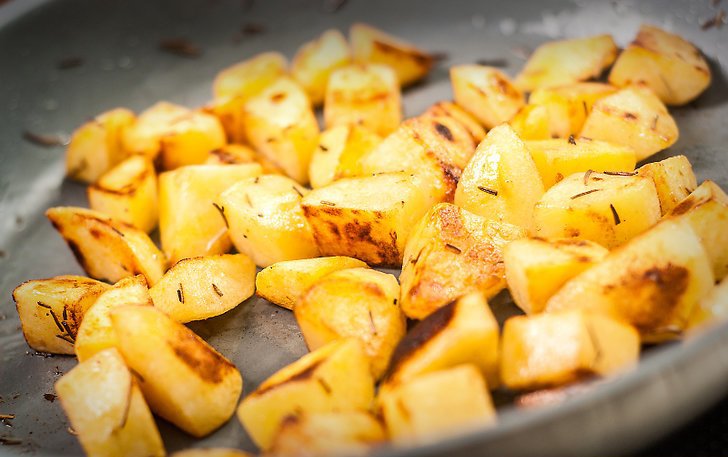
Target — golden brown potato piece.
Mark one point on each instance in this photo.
(436, 405)
(212, 452)
(557, 63)
(358, 303)
(128, 192)
(284, 282)
(237, 154)
(339, 153)
(315, 61)
(674, 180)
(486, 93)
(51, 310)
(97, 146)
(452, 252)
(107, 249)
(184, 379)
(534, 122)
(107, 410)
(230, 112)
(666, 63)
(335, 378)
(711, 310)
(248, 78)
(537, 268)
(548, 350)
(450, 109)
(204, 287)
(663, 274)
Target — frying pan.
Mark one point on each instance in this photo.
(62, 62)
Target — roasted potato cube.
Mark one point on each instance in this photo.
(486, 93)
(558, 63)
(367, 218)
(266, 221)
(450, 109)
(568, 106)
(339, 153)
(375, 46)
(463, 331)
(230, 111)
(534, 122)
(712, 309)
(359, 303)
(237, 154)
(653, 282)
(107, 410)
(674, 180)
(452, 252)
(190, 225)
(95, 332)
(334, 378)
(633, 117)
(51, 310)
(537, 268)
(128, 193)
(204, 287)
(107, 249)
(501, 182)
(667, 63)
(97, 146)
(283, 283)
(350, 433)
(548, 350)
(281, 125)
(212, 452)
(143, 137)
(184, 379)
(436, 405)
(315, 61)
(608, 208)
(557, 158)
(248, 78)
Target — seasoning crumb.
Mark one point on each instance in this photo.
(180, 47)
(44, 140)
(9, 441)
(69, 62)
(333, 6)
(50, 397)
(498, 62)
(716, 21)
(253, 28)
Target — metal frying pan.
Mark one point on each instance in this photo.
(62, 62)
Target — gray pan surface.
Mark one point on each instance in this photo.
(121, 65)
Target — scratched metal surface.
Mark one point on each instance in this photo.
(122, 66)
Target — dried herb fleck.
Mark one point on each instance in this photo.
(488, 191)
(327, 203)
(573, 197)
(323, 148)
(572, 140)
(181, 294)
(620, 173)
(221, 210)
(617, 220)
(587, 175)
(217, 290)
(180, 47)
(496, 62)
(298, 191)
(716, 21)
(118, 232)
(454, 249)
(371, 321)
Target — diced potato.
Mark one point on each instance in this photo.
(450, 109)
(144, 135)
(51, 310)
(266, 221)
(633, 117)
(557, 158)
(339, 153)
(230, 111)
(452, 252)
(372, 45)
(486, 93)
(667, 63)
(281, 125)
(95, 332)
(437, 405)
(283, 283)
(212, 452)
(568, 106)
(501, 182)
(367, 218)
(107, 249)
(537, 268)
(237, 154)
(712, 309)
(96, 146)
(128, 192)
(463, 331)
(654, 282)
(107, 410)
(315, 61)
(335, 378)
(190, 225)
(607, 208)
(548, 350)
(534, 122)
(350, 433)
(184, 379)
(674, 180)
(358, 303)
(204, 287)
(248, 78)
(558, 63)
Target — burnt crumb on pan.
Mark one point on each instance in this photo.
(439, 56)
(50, 397)
(716, 21)
(253, 28)
(333, 6)
(180, 47)
(69, 62)
(3, 253)
(498, 62)
(9, 441)
(44, 140)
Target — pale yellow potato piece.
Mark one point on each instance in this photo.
(128, 193)
(711, 310)
(266, 221)
(335, 378)
(212, 452)
(51, 310)
(107, 410)
(237, 154)
(609, 209)
(486, 92)
(203, 287)
(249, 77)
(183, 379)
(557, 63)
(450, 109)
(107, 249)
(674, 180)
(666, 63)
(230, 112)
(569, 105)
(284, 282)
(314, 61)
(548, 350)
(339, 152)
(452, 252)
(534, 122)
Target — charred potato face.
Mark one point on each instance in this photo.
(454, 111)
